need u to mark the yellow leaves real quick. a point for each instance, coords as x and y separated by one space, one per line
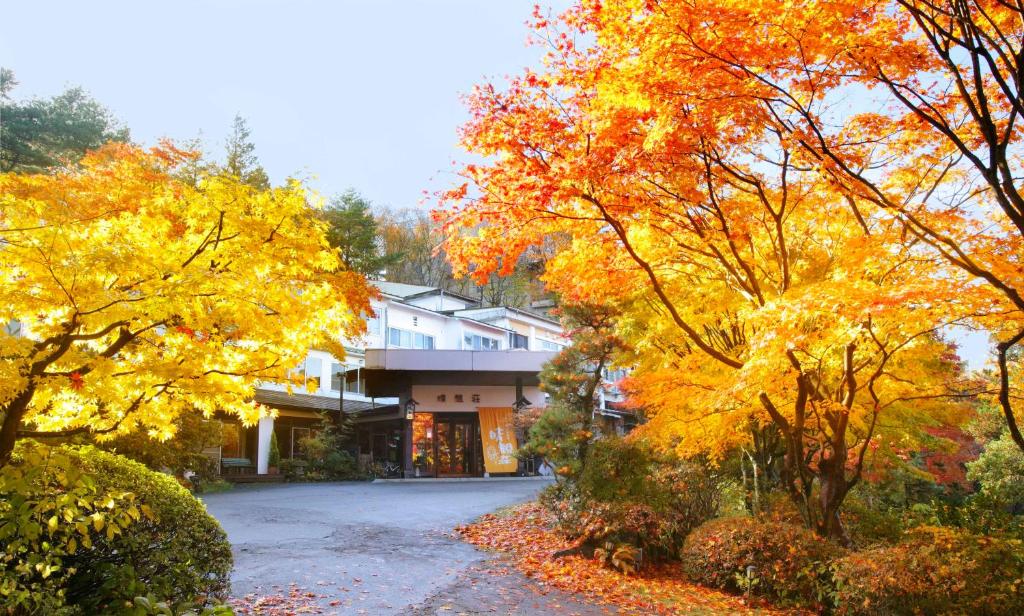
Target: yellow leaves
215 286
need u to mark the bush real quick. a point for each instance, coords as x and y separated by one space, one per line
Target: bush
50 510
326 459
180 554
789 562
627 493
180 455
293 469
105 530
933 571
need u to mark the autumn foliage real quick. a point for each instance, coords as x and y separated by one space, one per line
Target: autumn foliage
132 296
761 189
526 534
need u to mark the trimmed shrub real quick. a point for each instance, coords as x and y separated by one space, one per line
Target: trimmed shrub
180 553
51 510
933 571
87 531
789 562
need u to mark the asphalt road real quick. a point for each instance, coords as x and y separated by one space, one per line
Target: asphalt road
384 548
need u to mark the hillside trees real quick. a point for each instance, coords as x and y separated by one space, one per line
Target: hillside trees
133 297
757 294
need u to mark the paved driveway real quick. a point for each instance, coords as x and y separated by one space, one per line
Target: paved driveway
370 548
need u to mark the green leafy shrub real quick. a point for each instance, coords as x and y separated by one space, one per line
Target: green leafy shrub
180 554
787 561
274 458
51 512
627 493
151 606
293 469
933 571
327 460
999 472
86 530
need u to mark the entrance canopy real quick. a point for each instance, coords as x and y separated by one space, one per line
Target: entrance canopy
392 372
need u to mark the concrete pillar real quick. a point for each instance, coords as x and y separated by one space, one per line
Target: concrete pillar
266 429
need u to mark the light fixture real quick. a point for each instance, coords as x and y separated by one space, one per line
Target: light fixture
522 403
410 408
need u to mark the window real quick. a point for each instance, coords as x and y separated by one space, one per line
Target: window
298 434
373 326
518 341
616 375
409 340
547 345
480 343
309 373
335 377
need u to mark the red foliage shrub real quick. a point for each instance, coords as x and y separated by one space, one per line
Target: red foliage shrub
934 570
789 562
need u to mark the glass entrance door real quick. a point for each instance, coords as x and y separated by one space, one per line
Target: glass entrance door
456 446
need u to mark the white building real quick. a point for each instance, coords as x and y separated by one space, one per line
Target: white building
415 385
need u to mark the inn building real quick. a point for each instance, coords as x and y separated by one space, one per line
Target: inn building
432 388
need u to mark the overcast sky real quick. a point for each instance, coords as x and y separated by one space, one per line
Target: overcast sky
353 94
348 94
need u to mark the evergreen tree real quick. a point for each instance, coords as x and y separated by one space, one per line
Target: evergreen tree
241 161
352 230
39 134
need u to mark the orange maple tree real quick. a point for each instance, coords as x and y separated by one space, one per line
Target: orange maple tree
756 289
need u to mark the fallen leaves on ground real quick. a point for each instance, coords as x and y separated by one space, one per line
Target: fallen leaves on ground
526 534
295 600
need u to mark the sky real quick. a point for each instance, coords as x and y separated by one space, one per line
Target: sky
343 93
346 94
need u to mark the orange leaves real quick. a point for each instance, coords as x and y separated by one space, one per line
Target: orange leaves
525 534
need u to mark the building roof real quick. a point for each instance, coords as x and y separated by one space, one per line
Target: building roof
411 291
481 314
400 289
283 399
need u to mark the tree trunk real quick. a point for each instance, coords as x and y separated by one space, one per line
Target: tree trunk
12 422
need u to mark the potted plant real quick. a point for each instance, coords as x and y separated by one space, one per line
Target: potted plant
275 455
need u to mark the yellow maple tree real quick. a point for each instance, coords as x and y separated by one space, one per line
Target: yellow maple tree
131 297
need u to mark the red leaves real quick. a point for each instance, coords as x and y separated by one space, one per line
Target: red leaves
526 534
76 381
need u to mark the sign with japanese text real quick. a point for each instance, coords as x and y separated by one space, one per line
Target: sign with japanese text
499 440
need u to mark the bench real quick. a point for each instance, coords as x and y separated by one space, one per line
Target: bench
236 466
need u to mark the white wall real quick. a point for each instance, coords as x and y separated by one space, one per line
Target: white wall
438 303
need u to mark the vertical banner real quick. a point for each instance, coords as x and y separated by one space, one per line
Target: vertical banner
499 439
